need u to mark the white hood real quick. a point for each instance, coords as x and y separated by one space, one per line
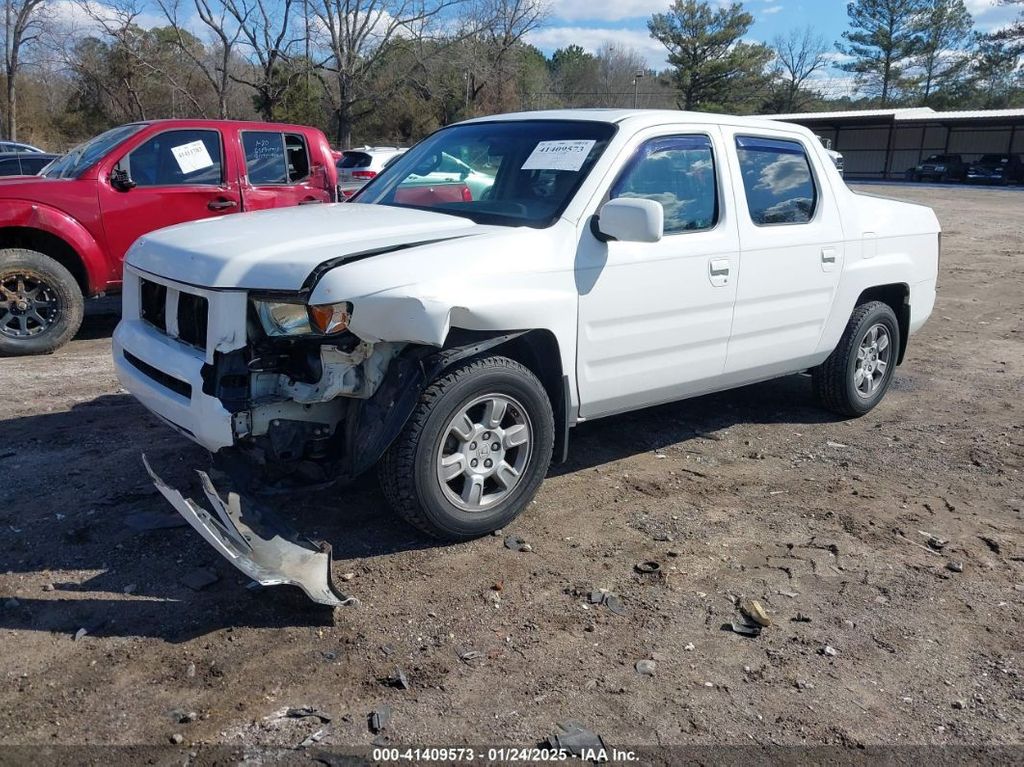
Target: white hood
278 249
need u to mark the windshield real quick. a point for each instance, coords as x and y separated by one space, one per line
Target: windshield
84 155
993 159
517 173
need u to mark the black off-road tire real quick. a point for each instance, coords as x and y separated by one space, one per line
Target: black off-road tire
65 292
408 470
834 379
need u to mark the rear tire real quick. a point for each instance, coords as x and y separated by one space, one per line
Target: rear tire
474 451
41 305
859 371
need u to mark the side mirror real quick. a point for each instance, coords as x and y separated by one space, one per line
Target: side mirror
120 180
631 219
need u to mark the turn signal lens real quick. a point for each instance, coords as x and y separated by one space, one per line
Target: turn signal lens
331 318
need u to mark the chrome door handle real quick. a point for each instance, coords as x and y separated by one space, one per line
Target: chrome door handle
828 256
719 268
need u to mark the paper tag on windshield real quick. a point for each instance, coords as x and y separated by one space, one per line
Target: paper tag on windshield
192 156
559 155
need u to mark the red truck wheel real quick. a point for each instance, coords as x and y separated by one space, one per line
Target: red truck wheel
41 305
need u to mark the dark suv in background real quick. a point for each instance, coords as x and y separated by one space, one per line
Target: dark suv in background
996 169
939 167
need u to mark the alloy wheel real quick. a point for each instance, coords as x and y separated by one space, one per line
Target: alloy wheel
484 451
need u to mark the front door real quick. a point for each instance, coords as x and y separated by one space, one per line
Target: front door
655 318
791 245
175 176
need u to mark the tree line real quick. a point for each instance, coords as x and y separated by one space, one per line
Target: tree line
372 71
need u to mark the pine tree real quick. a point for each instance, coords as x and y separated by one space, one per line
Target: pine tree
945 30
714 70
882 41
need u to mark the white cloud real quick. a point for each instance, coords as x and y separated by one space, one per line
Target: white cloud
590 39
988 16
771 9
73 18
606 10
612 10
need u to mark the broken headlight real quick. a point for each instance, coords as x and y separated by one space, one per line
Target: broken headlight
282 318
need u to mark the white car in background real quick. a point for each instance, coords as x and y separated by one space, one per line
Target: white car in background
359 165
10 147
836 157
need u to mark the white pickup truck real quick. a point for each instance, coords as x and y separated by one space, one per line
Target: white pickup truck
451 327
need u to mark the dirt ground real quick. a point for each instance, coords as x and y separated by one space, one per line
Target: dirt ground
754 492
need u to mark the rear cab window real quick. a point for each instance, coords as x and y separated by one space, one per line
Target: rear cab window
355 160
777 180
273 158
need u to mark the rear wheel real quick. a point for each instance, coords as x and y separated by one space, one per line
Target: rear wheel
857 374
474 451
41 305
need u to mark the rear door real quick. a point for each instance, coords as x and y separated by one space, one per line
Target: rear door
178 175
654 318
791 253
281 170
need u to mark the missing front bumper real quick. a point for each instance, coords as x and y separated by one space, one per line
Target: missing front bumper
257 543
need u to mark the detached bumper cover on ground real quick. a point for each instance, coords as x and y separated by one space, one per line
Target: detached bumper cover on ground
257 543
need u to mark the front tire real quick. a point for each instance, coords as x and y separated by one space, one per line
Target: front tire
859 371
41 305
474 451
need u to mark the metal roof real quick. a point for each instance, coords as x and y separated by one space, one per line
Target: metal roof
853 113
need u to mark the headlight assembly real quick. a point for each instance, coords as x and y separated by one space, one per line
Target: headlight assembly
282 318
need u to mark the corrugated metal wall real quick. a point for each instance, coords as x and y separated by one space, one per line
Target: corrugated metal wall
878 151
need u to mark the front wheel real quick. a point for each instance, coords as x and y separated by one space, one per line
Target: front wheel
41 305
473 453
857 374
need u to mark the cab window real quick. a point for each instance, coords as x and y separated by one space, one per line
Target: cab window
777 180
176 158
678 172
275 158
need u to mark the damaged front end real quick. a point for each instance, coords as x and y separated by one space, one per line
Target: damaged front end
304 411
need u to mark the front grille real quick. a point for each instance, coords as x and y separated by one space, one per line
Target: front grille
193 311
175 385
153 301
190 312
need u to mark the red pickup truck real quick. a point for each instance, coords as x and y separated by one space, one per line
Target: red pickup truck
64 233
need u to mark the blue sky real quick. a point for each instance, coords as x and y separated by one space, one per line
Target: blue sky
590 23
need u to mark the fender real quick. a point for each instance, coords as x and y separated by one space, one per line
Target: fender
44 218
897 268
377 421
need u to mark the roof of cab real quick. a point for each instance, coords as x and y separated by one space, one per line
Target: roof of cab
638 118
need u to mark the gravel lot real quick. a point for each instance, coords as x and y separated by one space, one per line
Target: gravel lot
755 493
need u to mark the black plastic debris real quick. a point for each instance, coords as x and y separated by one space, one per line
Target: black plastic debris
743 627
517 543
614 604
303 712
575 739
379 719
398 680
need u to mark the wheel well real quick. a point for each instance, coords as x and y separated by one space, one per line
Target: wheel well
538 351
49 245
897 296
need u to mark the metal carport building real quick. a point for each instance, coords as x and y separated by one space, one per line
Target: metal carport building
883 143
